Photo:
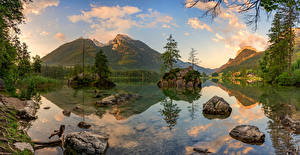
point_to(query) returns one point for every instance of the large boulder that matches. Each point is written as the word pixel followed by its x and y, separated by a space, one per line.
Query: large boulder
pixel 2 84
pixel 218 107
pixel 287 121
pixel 117 99
pixel 29 110
pixel 86 143
pixel 248 134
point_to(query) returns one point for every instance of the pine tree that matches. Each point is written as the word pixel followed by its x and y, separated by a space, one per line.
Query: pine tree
pixel 193 59
pixel 171 55
pixel 101 65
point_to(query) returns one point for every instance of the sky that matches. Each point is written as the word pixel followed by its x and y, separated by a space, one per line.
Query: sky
pixel 51 23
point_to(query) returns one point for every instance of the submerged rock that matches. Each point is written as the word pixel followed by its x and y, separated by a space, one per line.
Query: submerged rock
pixel 217 106
pixel 117 99
pixel 2 84
pixel 200 150
pixel 66 112
pixel 248 134
pixel 29 110
pixel 84 125
pixel 86 143
pixel 46 108
pixel 291 123
pixel 23 146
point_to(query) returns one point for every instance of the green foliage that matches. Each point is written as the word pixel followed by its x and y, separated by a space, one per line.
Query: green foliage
pixel 215 74
pixel 192 75
pixel 284 79
pixel 101 65
pixel 192 58
pixel 31 85
pixel 171 74
pixel 37 64
pixel 171 55
pixel 297 76
pixel 135 75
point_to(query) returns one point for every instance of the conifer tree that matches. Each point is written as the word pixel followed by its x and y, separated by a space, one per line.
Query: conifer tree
pixel 171 55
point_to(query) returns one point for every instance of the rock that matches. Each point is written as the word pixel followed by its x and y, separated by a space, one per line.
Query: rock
pixel 22 146
pixel 117 99
pixel 200 150
pixel 66 112
pixel 98 96
pixel 46 108
pixel 86 143
pixel 29 110
pixel 248 134
pixel 2 84
pixel 291 123
pixel 217 106
pixel 78 108
pixel 84 125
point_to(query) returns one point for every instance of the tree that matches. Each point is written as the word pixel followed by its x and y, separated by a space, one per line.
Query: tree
pixel 37 64
pixel 23 60
pixel 101 66
pixel 11 16
pixel 171 55
pixel 193 59
pixel 247 6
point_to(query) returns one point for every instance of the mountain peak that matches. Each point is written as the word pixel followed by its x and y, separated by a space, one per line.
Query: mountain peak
pixel 123 37
pixel 97 43
pixel 246 49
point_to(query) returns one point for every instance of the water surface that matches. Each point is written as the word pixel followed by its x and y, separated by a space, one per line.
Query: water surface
pixel 171 121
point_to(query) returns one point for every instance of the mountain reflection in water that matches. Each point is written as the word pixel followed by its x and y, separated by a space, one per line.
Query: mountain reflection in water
pixel 170 121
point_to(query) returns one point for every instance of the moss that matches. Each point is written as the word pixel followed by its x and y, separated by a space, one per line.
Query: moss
pixel 10 131
pixel 192 75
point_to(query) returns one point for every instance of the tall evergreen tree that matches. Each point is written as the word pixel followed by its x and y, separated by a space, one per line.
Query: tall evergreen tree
pixel 171 55
pixel 101 65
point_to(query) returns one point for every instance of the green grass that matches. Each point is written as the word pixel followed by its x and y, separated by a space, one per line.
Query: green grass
pixel 10 131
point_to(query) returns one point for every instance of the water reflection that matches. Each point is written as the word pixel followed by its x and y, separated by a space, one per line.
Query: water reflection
pixel 170 112
pixel 171 121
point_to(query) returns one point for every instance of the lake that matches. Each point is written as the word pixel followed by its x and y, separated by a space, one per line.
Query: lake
pixel 171 121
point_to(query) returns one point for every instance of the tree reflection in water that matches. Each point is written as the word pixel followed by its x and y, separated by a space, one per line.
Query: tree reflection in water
pixel 170 112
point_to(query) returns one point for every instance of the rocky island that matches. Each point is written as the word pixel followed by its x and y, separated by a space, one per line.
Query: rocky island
pixel 181 78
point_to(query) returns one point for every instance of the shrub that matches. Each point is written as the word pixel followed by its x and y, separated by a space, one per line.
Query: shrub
pixel 284 79
pixel 192 75
pixel 297 76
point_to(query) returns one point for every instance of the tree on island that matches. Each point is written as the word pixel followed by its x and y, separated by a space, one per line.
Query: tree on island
pixel 192 58
pixel 102 70
pixel 171 55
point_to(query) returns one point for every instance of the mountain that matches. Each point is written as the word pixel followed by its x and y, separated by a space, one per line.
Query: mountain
pixel 246 57
pixel 123 53
pixel 181 64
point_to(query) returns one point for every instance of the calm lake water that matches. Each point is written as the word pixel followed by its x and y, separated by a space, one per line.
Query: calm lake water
pixel 171 121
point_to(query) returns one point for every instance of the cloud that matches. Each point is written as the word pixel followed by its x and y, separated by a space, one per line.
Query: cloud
pixel 107 21
pixel 186 33
pixel 60 36
pixel 228 28
pixel 195 23
pixel 38 6
pixel 44 33
pixel 153 18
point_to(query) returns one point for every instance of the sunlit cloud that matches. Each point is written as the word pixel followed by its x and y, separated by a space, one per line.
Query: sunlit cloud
pixel 44 33
pixel 195 23
pixel 60 36
pixel 108 21
pixel 228 28
pixel 38 6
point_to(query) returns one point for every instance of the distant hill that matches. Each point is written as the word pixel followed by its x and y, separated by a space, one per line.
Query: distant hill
pixel 182 64
pixel 123 53
pixel 247 57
